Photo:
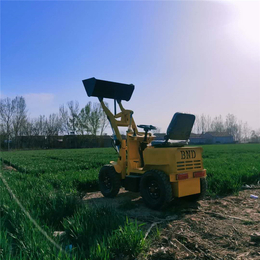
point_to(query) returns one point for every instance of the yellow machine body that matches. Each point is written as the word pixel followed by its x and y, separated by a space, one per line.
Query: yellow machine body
pixel 174 161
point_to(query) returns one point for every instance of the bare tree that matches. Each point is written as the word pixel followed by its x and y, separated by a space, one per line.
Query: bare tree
pixel 7 110
pixel 233 128
pixel 203 123
pixel 53 125
pixel 217 124
pixel 83 119
pixel 104 121
pixel 94 119
pixel 239 131
pixel 257 132
pixel 19 116
pixel 208 123
pixel 35 126
pixel 2 130
pixel 13 115
pixel 39 126
pixel 197 127
pixel 28 127
pixel 246 132
pixel 64 117
pixel 73 115
pixel 255 136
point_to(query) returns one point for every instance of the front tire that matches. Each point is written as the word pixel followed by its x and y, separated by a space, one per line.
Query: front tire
pixel 109 181
pixel 155 189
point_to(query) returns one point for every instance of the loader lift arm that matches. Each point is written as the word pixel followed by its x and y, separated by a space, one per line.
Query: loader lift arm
pixel 125 119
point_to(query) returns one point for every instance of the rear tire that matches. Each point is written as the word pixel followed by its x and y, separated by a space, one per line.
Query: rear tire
pixel 109 181
pixel 156 189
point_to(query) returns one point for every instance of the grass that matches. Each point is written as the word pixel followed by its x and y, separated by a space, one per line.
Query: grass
pixel 231 166
pixel 73 171
pixel 50 184
pixel 87 229
pixel 76 171
pixel 50 189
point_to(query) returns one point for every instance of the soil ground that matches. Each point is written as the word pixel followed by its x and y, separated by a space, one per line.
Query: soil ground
pixel 223 228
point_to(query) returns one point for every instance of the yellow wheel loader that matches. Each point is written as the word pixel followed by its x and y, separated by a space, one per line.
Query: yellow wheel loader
pixel 160 170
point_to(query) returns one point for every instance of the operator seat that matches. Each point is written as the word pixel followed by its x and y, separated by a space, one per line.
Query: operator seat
pixel 179 130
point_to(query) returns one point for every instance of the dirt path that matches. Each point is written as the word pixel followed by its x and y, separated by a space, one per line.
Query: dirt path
pixel 225 228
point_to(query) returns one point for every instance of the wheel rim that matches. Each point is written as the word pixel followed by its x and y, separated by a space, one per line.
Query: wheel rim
pixel 153 189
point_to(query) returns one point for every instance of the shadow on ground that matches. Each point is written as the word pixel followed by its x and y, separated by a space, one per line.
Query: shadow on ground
pixel 132 205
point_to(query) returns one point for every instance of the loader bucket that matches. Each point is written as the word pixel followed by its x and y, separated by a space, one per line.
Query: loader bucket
pixel 180 127
pixel 107 89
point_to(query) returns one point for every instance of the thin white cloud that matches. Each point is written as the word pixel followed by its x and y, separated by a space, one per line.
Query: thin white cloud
pixel 42 97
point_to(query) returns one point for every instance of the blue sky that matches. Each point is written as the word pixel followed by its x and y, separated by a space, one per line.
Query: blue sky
pixel 190 56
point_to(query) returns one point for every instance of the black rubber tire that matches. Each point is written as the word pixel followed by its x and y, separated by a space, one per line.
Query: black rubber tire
pixel 109 181
pixel 154 180
pixel 203 190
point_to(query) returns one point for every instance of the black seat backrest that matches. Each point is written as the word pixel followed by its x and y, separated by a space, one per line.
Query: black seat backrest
pixel 180 127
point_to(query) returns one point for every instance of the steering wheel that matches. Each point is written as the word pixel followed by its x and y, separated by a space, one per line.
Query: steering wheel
pixel 146 129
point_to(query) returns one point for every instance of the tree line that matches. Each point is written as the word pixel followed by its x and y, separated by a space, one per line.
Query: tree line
pixel 91 119
pixel 14 120
pixel 240 131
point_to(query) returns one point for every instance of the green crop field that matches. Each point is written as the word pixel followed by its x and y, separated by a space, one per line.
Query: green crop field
pixel 231 166
pixel 50 184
